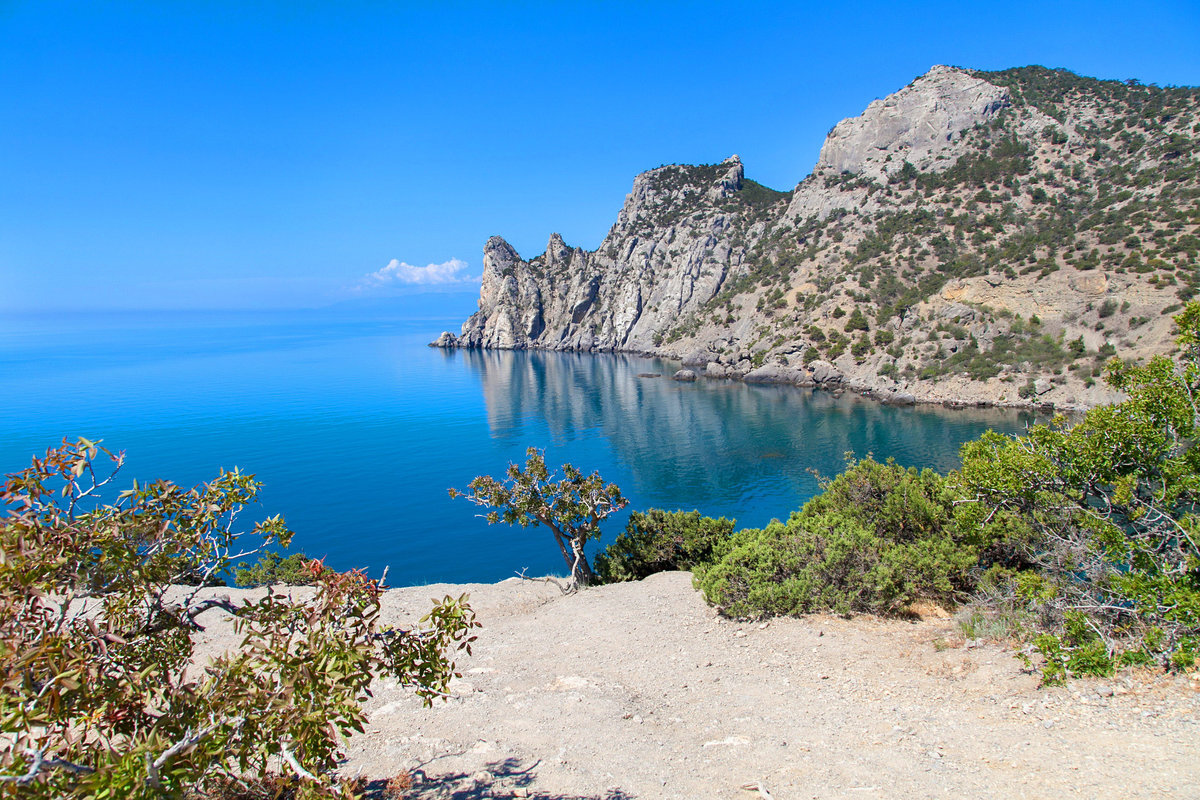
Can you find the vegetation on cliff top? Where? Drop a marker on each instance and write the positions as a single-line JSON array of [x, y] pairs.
[[571, 508]]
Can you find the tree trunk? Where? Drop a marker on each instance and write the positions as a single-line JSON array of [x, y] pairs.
[[581, 570], [558, 538]]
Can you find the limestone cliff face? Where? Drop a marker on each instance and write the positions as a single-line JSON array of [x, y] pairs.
[[916, 124], [974, 237], [920, 125], [668, 254]]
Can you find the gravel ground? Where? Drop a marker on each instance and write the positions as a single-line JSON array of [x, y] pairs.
[[641, 690]]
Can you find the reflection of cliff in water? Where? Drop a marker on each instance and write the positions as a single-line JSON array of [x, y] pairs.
[[723, 442]]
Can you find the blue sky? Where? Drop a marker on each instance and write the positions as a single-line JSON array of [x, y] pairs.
[[274, 155]]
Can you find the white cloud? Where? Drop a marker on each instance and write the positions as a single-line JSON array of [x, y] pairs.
[[400, 273]]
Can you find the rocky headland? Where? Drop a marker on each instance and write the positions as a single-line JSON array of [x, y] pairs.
[[976, 237]]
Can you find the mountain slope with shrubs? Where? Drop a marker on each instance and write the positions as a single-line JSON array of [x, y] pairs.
[[975, 237]]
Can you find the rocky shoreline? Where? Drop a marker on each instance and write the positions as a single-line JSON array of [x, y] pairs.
[[821, 375]]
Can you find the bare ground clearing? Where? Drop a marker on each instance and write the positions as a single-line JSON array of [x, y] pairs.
[[641, 690]]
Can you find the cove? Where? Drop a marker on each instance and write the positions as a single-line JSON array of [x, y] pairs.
[[356, 428]]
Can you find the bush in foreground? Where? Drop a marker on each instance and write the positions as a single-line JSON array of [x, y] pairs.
[[97, 699], [1096, 524], [658, 541], [877, 539]]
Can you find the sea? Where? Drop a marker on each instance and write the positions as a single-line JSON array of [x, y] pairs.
[[357, 429]]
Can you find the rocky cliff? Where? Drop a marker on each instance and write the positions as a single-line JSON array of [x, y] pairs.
[[975, 237]]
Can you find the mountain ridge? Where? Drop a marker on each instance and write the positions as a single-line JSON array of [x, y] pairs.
[[974, 237]]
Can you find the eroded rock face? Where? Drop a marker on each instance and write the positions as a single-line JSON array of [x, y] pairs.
[[668, 254], [916, 124], [674, 243]]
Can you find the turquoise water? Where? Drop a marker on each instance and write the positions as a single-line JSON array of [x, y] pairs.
[[356, 428]]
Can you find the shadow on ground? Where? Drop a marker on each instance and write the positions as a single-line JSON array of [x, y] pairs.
[[500, 780]]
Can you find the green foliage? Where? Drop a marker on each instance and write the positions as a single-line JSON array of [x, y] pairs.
[[657, 541], [273, 569], [861, 347], [992, 163], [856, 322], [1034, 353], [571, 508], [1079, 650], [96, 695], [1105, 511], [680, 190], [1049, 89], [758, 198], [877, 539]]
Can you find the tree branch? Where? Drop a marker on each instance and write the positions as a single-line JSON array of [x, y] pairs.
[[153, 774], [38, 763], [286, 752]]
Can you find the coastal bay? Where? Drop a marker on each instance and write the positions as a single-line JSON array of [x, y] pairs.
[[357, 429]]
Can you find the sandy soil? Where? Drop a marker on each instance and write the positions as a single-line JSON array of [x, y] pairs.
[[641, 690]]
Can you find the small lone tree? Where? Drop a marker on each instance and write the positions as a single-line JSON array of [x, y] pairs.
[[100, 693], [572, 508]]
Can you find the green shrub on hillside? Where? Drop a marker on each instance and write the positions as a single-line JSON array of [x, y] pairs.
[[1081, 540], [856, 322], [658, 541], [878, 538]]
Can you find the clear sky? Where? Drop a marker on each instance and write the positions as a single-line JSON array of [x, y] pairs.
[[294, 154]]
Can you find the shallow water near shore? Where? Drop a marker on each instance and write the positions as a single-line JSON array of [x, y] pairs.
[[356, 428]]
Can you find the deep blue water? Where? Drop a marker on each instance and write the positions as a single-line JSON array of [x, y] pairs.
[[356, 428]]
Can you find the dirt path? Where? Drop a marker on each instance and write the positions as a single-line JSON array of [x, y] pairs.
[[640, 690]]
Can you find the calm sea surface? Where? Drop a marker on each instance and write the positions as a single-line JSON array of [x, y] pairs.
[[356, 428]]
